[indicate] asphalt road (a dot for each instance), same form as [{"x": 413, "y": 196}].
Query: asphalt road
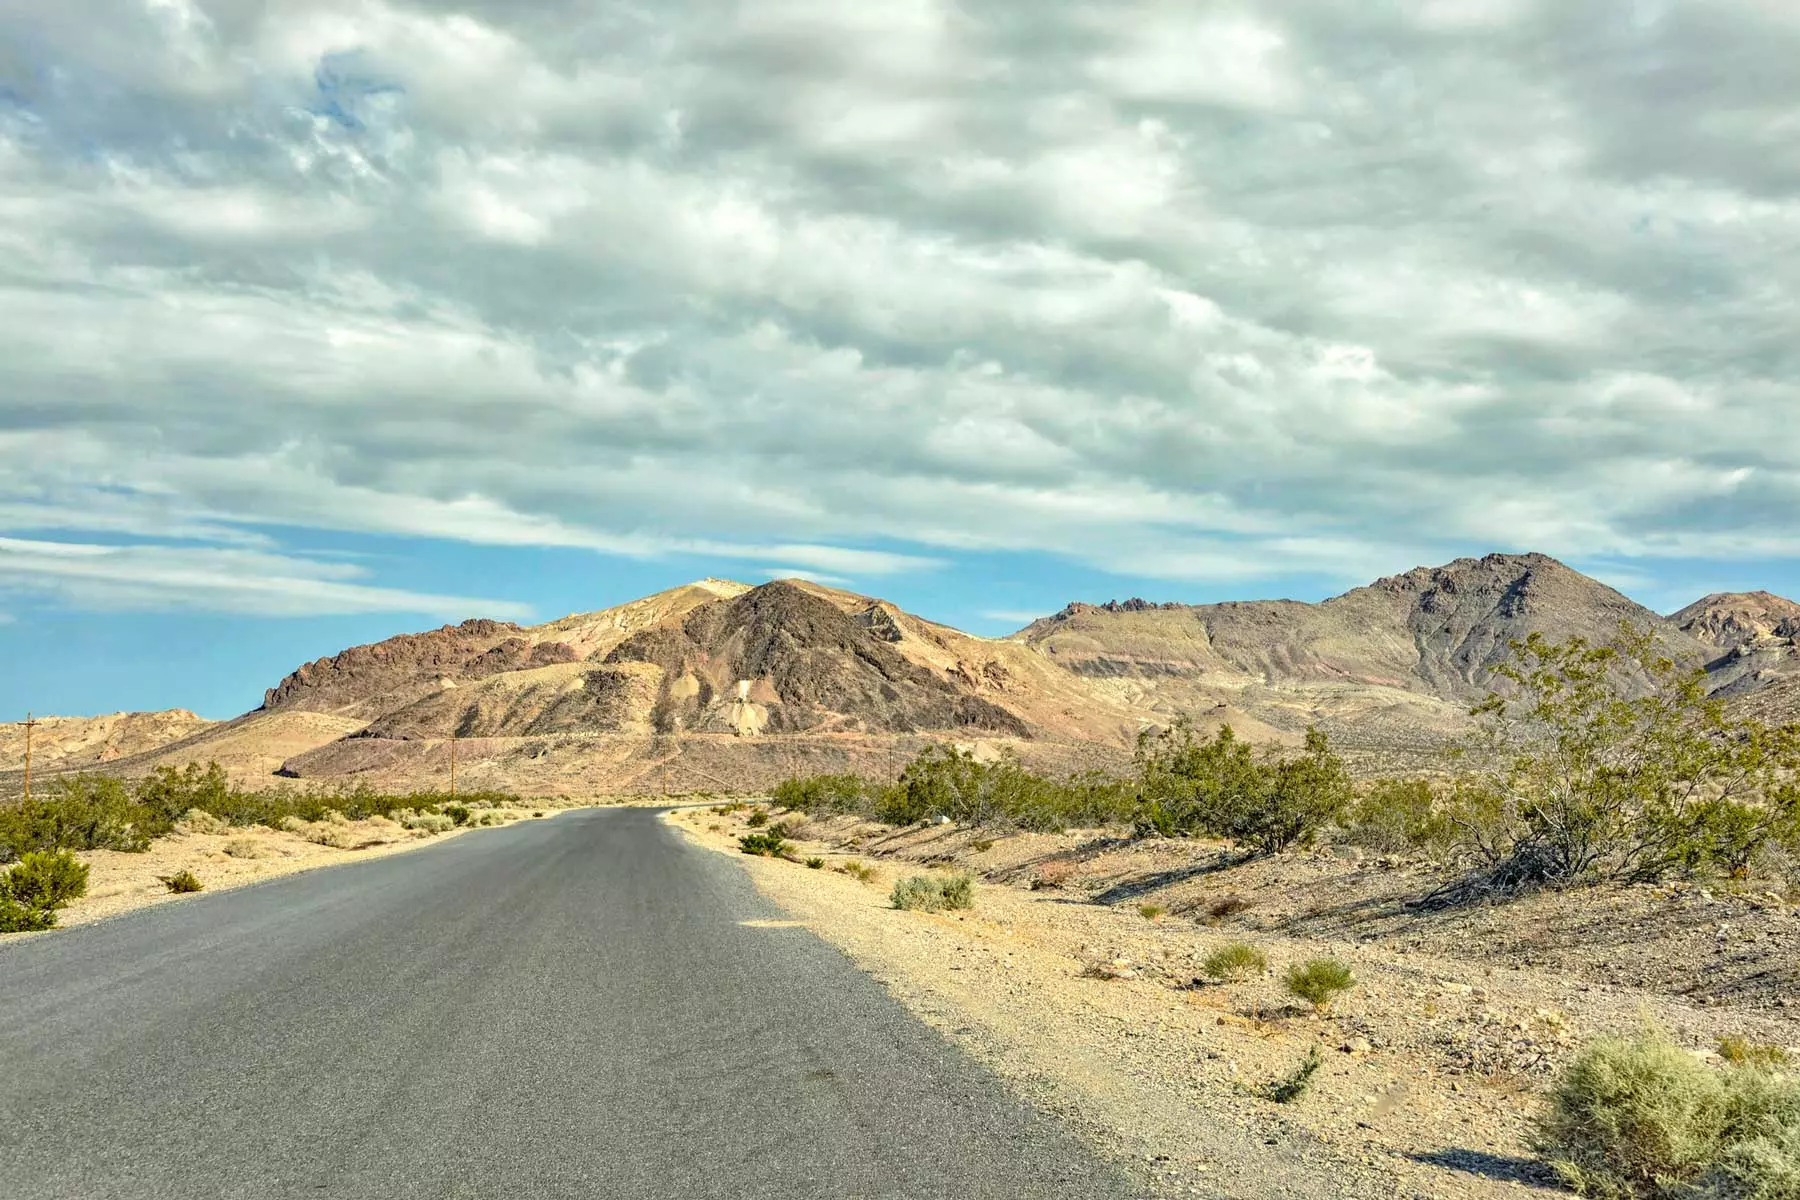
[{"x": 569, "y": 1007}]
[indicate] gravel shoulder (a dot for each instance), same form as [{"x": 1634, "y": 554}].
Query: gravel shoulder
[{"x": 1434, "y": 1064}]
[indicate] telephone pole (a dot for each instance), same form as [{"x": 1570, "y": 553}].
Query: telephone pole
[
  {"x": 29, "y": 726},
  {"x": 453, "y": 764}
]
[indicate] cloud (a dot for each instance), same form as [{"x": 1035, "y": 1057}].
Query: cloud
[
  {"x": 210, "y": 579},
  {"x": 1226, "y": 293}
]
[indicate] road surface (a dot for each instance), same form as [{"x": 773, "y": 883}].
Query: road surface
[{"x": 569, "y": 1007}]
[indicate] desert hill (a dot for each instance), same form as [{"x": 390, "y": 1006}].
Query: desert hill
[
  {"x": 82, "y": 742},
  {"x": 720, "y": 685}
]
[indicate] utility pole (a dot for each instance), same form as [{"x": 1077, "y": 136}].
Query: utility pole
[
  {"x": 453, "y": 764},
  {"x": 29, "y": 726}
]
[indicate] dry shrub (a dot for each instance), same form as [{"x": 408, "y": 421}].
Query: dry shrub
[
  {"x": 1226, "y": 906},
  {"x": 244, "y": 847},
  {"x": 198, "y": 820},
  {"x": 933, "y": 893},
  {"x": 182, "y": 882},
  {"x": 425, "y": 822},
  {"x": 1235, "y": 961},
  {"x": 1052, "y": 875}
]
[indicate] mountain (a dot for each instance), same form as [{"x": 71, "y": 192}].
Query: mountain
[
  {"x": 719, "y": 685},
  {"x": 71, "y": 743},
  {"x": 1759, "y": 633}
]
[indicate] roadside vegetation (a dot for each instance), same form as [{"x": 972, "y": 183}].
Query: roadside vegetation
[
  {"x": 1592, "y": 763},
  {"x": 99, "y": 812},
  {"x": 38, "y": 885}
]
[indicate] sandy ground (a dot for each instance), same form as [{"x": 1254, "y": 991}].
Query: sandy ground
[{"x": 1434, "y": 1064}]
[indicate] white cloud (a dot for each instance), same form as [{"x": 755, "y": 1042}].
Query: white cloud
[
  {"x": 211, "y": 579},
  {"x": 1186, "y": 293}
]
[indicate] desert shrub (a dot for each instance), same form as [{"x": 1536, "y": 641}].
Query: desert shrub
[
  {"x": 17, "y": 918},
  {"x": 198, "y": 820},
  {"x": 1759, "y": 1168},
  {"x": 1400, "y": 814},
  {"x": 458, "y": 813},
  {"x": 858, "y": 870},
  {"x": 1227, "y": 906},
  {"x": 933, "y": 893},
  {"x": 1319, "y": 981},
  {"x": 757, "y": 819},
  {"x": 824, "y": 794},
  {"x": 1151, "y": 912},
  {"x": 763, "y": 845},
  {"x": 815, "y": 863},
  {"x": 1234, "y": 961},
  {"x": 1632, "y": 1117},
  {"x": 81, "y": 812},
  {"x": 982, "y": 845},
  {"x": 244, "y": 847},
  {"x": 1612, "y": 762},
  {"x": 45, "y": 880},
  {"x": 182, "y": 882},
  {"x": 1296, "y": 1085},
  {"x": 1740, "y": 1051},
  {"x": 1220, "y": 788},
  {"x": 426, "y": 822}
]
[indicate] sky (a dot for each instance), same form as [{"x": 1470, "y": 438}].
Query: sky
[{"x": 323, "y": 320}]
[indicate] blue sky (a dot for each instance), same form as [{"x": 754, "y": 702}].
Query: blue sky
[{"x": 324, "y": 320}]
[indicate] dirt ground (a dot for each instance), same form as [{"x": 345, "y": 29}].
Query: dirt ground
[{"x": 1433, "y": 1064}]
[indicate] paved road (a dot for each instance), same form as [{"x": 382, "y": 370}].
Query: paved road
[{"x": 563, "y": 1008}]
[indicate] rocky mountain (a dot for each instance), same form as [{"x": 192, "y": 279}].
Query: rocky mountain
[
  {"x": 1759, "y": 635},
  {"x": 720, "y": 685},
  {"x": 1437, "y": 631}
]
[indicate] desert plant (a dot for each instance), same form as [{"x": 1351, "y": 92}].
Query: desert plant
[
  {"x": 243, "y": 847},
  {"x": 982, "y": 845},
  {"x": 1613, "y": 762},
  {"x": 1218, "y": 787},
  {"x": 763, "y": 845},
  {"x": 1227, "y": 906},
  {"x": 858, "y": 870},
  {"x": 757, "y": 819},
  {"x": 458, "y": 813},
  {"x": 1632, "y": 1117},
  {"x": 1297, "y": 1084},
  {"x": 1401, "y": 814},
  {"x": 1319, "y": 981},
  {"x": 1740, "y": 1051},
  {"x": 425, "y": 822},
  {"x": 1234, "y": 961},
  {"x": 45, "y": 880},
  {"x": 198, "y": 820},
  {"x": 815, "y": 863},
  {"x": 182, "y": 882},
  {"x": 1151, "y": 912},
  {"x": 933, "y": 893}
]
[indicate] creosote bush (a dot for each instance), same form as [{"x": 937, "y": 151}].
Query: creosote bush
[
  {"x": 182, "y": 882},
  {"x": 1234, "y": 961},
  {"x": 37, "y": 886},
  {"x": 1640, "y": 1117},
  {"x": 1319, "y": 982},
  {"x": 934, "y": 893}
]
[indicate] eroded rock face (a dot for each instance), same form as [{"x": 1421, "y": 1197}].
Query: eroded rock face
[
  {"x": 819, "y": 666},
  {"x": 369, "y": 672}
]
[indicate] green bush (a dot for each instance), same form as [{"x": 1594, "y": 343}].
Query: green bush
[
  {"x": 1234, "y": 961},
  {"x": 1319, "y": 981},
  {"x": 1399, "y": 815},
  {"x": 1220, "y": 788},
  {"x": 757, "y": 819},
  {"x": 1740, "y": 1051},
  {"x": 823, "y": 794},
  {"x": 182, "y": 882},
  {"x": 1151, "y": 912},
  {"x": 763, "y": 845},
  {"x": 458, "y": 813},
  {"x": 1758, "y": 1168},
  {"x": 17, "y": 918},
  {"x": 815, "y": 863},
  {"x": 933, "y": 893},
  {"x": 46, "y": 880}
]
